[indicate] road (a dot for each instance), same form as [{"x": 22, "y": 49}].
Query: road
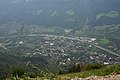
[{"x": 81, "y": 39}]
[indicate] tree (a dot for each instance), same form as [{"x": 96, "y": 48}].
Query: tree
[{"x": 18, "y": 71}]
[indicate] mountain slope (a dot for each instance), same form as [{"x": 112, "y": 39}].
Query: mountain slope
[{"x": 67, "y": 13}]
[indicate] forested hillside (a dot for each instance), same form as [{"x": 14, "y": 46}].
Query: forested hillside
[{"x": 68, "y": 13}]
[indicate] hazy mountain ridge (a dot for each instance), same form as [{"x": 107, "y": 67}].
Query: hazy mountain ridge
[{"x": 57, "y": 12}]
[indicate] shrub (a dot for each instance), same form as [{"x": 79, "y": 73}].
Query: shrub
[
  {"x": 85, "y": 67},
  {"x": 18, "y": 71},
  {"x": 92, "y": 66},
  {"x": 75, "y": 68},
  {"x": 4, "y": 73}
]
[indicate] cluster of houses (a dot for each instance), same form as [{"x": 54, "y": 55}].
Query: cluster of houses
[{"x": 67, "y": 50}]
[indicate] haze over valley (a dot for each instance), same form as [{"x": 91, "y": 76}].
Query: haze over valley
[{"x": 55, "y": 35}]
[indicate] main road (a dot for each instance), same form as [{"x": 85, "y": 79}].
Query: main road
[{"x": 81, "y": 39}]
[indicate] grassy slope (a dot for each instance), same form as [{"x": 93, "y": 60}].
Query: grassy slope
[{"x": 98, "y": 72}]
